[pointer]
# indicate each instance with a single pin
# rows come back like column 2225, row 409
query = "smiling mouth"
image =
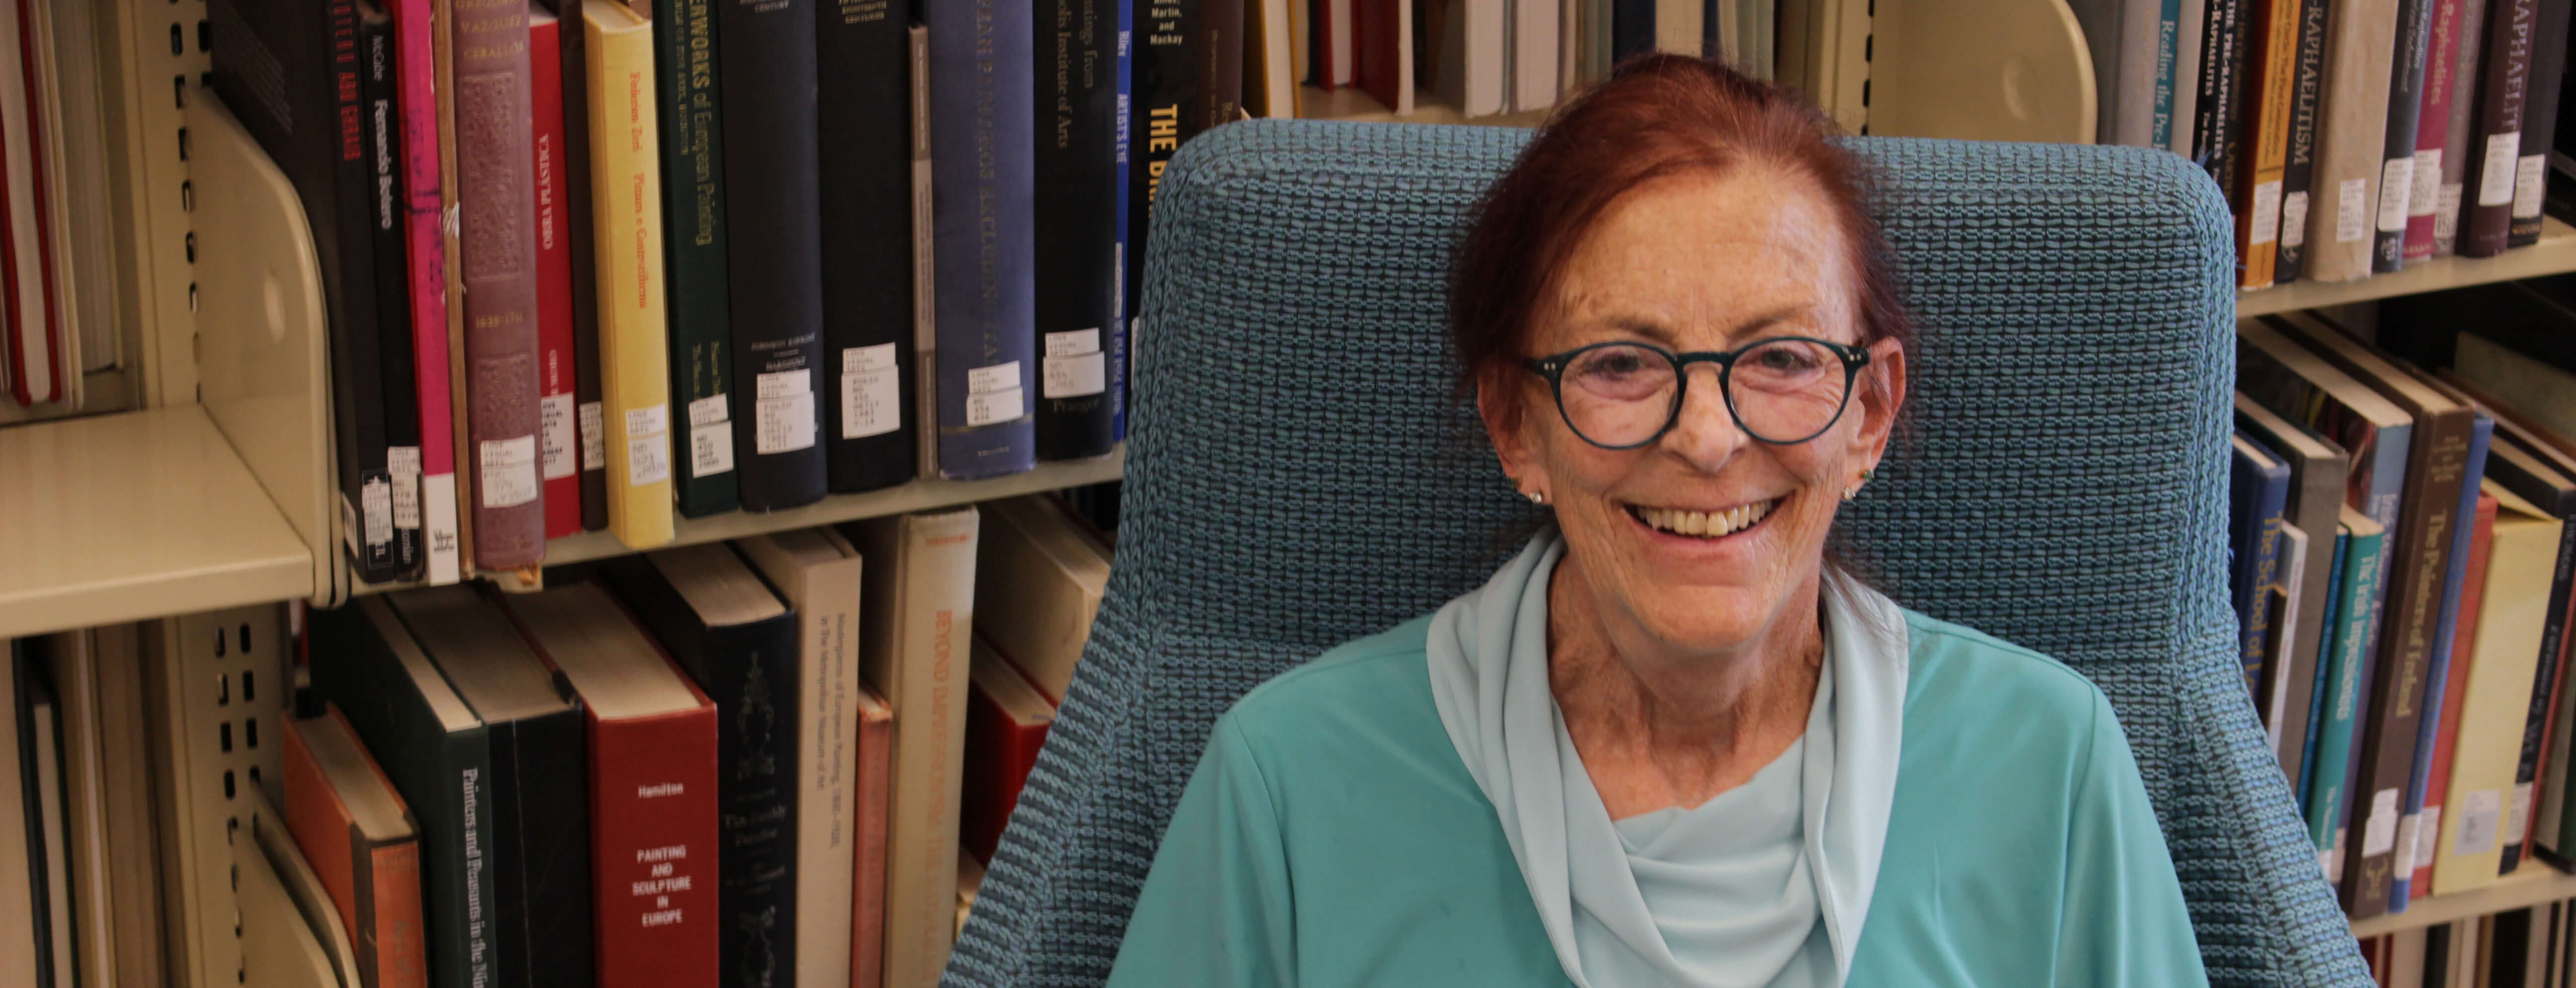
column 1703, row 524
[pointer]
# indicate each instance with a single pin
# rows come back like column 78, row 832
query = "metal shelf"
column 2554, row 254
column 1349, row 103
column 132, row 516
column 2532, row 884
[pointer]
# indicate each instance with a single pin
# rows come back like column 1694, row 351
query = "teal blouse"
column 1331, row 837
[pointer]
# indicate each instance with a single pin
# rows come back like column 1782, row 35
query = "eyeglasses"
column 1784, row 390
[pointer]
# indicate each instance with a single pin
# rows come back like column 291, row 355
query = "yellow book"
column 2477, row 811
column 626, row 204
column 2258, row 190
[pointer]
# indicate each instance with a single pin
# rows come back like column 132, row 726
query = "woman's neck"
column 1657, row 729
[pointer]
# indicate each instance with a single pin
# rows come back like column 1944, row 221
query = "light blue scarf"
column 1489, row 678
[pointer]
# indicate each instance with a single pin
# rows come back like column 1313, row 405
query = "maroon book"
column 558, row 436
column 496, row 201
column 1006, row 724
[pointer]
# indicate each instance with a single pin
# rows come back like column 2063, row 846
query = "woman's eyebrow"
column 1662, row 335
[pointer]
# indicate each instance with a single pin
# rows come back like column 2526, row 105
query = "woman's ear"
column 1505, row 419
column 1881, row 395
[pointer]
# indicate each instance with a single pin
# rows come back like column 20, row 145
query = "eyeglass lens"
column 1782, row 391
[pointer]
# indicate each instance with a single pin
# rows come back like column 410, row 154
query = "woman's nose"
column 1705, row 432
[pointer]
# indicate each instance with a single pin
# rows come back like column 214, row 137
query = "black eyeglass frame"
column 1553, row 369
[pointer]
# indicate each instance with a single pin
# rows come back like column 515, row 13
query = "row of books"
column 79, row 883
column 2352, row 136
column 58, row 300
column 746, row 758
column 602, row 266
column 2533, row 947
column 1483, row 56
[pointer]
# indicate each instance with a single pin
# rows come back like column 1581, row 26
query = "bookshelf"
column 2554, row 254
column 126, row 517
column 1349, row 103
column 2531, row 885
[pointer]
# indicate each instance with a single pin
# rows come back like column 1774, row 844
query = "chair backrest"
column 1302, row 473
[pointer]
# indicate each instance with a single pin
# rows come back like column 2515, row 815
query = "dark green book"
column 693, row 256
column 437, row 754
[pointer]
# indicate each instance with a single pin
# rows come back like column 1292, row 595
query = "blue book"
column 2168, row 36
column 2415, row 845
column 983, row 183
column 1123, row 316
column 2325, row 671
column 2350, row 660
column 2258, row 490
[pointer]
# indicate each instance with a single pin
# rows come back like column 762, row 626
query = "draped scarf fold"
column 1489, row 678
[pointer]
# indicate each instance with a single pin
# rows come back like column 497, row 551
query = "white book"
column 1679, row 26
column 2292, row 587
column 916, row 622
column 1337, row 35
column 18, row 946
column 1534, row 51
column 1278, row 78
column 818, row 572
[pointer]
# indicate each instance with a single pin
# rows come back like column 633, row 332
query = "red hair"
column 1658, row 115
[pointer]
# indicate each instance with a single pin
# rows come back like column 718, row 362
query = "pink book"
column 875, row 777
column 558, row 445
column 2423, row 200
column 416, row 102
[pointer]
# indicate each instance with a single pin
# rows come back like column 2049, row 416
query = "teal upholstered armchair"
column 1300, row 474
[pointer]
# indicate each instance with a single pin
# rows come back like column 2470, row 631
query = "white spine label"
column 594, row 444
column 403, row 463
column 2396, row 179
column 2428, row 183
column 1074, row 367
column 376, row 505
column 783, row 416
column 2479, row 813
column 2267, row 213
column 710, row 437
column 870, row 391
column 993, row 394
column 2517, row 814
column 558, row 427
column 2352, row 209
column 2428, row 837
column 2495, row 176
column 709, row 411
column 2294, row 219
column 2379, row 836
column 509, row 471
column 2406, row 843
column 1073, row 343
column 2530, row 179
column 2446, row 214
column 648, row 445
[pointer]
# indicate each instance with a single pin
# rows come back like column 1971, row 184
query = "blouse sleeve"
column 2124, row 924
column 1215, row 911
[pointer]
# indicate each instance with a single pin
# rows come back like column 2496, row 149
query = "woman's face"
column 1696, row 263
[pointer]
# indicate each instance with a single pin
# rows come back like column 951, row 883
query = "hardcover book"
column 2273, row 53
column 2470, row 42
column 1041, row 586
column 2257, row 491
column 382, row 131
column 652, row 737
column 2445, row 638
column 2348, row 661
column 363, row 845
column 1076, row 226
column 2539, row 122
column 2455, row 689
column 2405, row 109
column 558, row 432
column 1006, row 725
column 774, row 250
column 2432, row 131
column 2486, row 229
column 579, row 222
column 497, row 255
column 981, row 95
column 634, row 354
column 686, row 62
column 2222, row 71
column 2318, row 471
column 2360, row 40
column 2298, row 172
column 739, row 644
column 430, row 465
column 869, row 434
column 2508, row 641
column 873, row 797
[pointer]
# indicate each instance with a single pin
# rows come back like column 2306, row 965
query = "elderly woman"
column 1672, row 742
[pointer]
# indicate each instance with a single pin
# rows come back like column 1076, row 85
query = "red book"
column 359, row 836
column 34, row 329
column 558, row 441
column 416, row 107
column 872, row 791
column 2455, row 689
column 1006, row 724
column 652, row 786
column 2424, row 199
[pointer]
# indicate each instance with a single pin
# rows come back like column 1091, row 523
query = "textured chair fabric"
column 1301, row 474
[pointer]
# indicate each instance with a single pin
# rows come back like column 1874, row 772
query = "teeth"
column 1705, row 524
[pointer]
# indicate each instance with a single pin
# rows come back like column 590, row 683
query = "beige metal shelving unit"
column 2531, row 885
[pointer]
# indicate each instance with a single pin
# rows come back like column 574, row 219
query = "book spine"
column 541, row 848
column 654, row 848
column 925, row 595
column 579, row 224
column 634, row 354
column 2255, row 623
column 2432, row 129
column 753, row 679
column 925, row 264
column 2222, row 58
column 2161, row 119
column 433, row 461
column 1632, row 29
column 2462, row 127
column 2274, row 52
column 2488, row 195
column 456, row 839
column 2361, row 38
column 864, row 47
column 496, row 218
column 1122, row 318
column 874, row 791
column 2438, row 673
column 2539, row 123
column 774, row 250
column 399, row 379
column 2299, row 159
column 1076, row 227
column 366, row 506
column 2397, row 151
column 394, row 931
column 981, row 97
column 693, row 243
column 1221, row 39
column 2327, row 790
column 2544, row 693
column 558, row 433
column 2434, row 471
column 2455, row 691
column 2321, row 687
